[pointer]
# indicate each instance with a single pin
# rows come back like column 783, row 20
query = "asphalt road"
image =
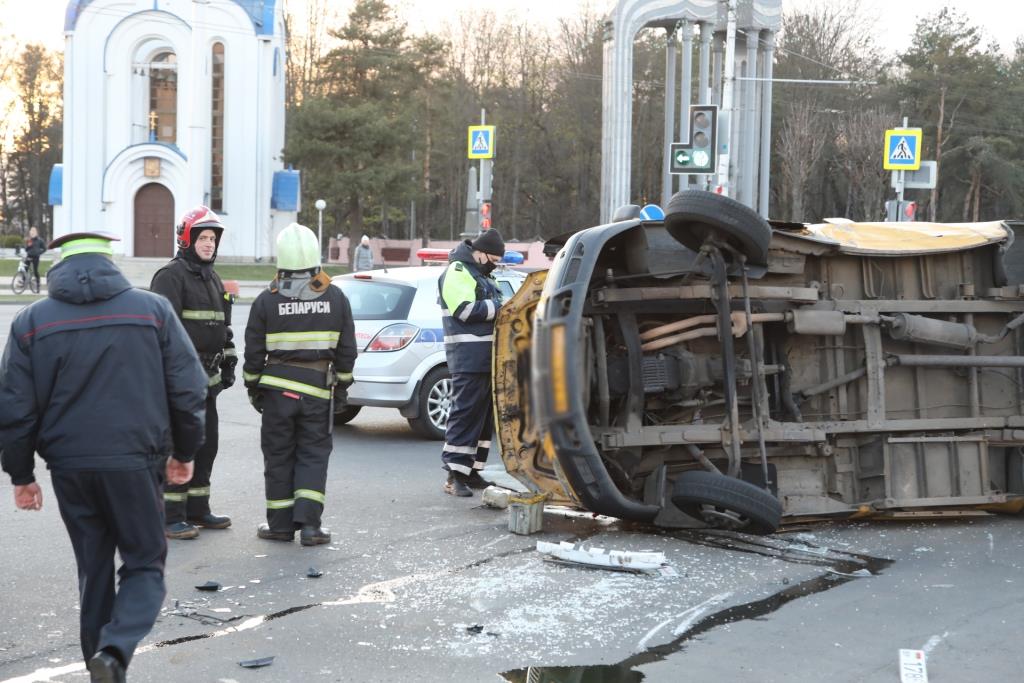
column 419, row 586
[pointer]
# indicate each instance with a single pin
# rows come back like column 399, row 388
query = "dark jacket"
column 199, row 300
column 35, row 247
column 98, row 376
column 289, row 342
column 469, row 302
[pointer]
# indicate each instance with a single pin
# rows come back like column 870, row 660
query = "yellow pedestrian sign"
column 481, row 142
column 902, row 149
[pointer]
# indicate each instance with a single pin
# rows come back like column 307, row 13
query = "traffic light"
column 700, row 154
column 485, row 215
column 900, row 211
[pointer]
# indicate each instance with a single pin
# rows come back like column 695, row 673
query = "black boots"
column 181, row 530
column 477, row 482
column 211, row 521
column 105, row 668
column 457, row 484
column 314, row 535
column 264, row 531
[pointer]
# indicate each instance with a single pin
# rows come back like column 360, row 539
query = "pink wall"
column 533, row 251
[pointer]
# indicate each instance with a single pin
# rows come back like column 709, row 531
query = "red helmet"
column 199, row 217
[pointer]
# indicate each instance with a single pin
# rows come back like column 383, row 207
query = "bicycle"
column 24, row 278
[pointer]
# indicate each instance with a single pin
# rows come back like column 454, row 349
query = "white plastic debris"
column 495, row 497
column 599, row 557
column 912, row 666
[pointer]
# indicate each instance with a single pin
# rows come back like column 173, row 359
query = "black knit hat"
column 490, row 242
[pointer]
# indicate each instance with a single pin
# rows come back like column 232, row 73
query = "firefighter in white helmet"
column 300, row 347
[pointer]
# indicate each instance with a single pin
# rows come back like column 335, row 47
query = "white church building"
column 169, row 104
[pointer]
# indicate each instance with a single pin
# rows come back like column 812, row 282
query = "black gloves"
column 227, row 371
column 256, row 399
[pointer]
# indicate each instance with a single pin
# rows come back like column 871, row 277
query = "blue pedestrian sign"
column 481, row 142
column 652, row 212
column 902, row 149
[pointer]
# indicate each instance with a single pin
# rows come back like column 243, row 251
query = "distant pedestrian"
column 364, row 255
column 34, row 248
column 300, row 346
column 195, row 291
column 470, row 300
column 101, row 380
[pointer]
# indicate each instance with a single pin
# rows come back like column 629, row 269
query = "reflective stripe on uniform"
column 280, row 504
column 465, row 450
column 478, row 465
column 312, row 495
column 281, row 383
column 299, row 341
column 483, row 444
column 467, row 310
column 250, row 376
column 459, row 468
column 86, row 246
column 491, row 309
column 214, row 380
column 459, row 338
column 189, row 314
column 199, row 492
column 230, row 352
column 175, row 497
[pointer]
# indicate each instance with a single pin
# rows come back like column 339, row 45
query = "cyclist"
column 34, row 248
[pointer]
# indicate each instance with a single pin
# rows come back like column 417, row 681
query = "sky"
column 1003, row 20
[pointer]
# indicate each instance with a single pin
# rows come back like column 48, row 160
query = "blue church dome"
column 261, row 12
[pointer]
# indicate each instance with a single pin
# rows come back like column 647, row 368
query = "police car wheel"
column 435, row 400
column 694, row 215
column 346, row 414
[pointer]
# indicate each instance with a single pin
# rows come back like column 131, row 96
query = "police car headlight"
column 393, row 337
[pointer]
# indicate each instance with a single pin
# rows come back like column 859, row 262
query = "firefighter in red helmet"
column 197, row 294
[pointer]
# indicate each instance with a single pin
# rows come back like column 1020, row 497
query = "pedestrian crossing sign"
column 902, row 149
column 481, row 142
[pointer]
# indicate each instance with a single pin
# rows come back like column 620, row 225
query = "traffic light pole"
column 728, row 85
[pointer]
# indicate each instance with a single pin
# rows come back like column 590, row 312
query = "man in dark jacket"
column 469, row 299
column 300, row 346
column 101, row 380
column 34, row 248
column 198, row 297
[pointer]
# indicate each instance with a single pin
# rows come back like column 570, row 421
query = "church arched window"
column 217, row 128
column 163, row 97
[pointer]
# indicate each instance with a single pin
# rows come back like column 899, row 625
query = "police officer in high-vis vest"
column 101, row 381
column 300, row 347
column 470, row 299
column 198, row 297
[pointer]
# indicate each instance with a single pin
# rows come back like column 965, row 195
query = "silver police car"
column 401, row 361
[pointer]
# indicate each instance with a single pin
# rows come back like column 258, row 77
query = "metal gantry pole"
column 704, row 94
column 750, row 141
column 670, row 114
column 686, row 92
column 728, row 106
column 763, row 196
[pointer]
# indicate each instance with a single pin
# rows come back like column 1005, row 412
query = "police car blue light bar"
column 512, row 258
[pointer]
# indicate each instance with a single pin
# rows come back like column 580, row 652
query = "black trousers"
column 297, row 437
column 192, row 500
column 467, row 438
column 35, row 266
column 104, row 512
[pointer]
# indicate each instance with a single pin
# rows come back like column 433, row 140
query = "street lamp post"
column 320, row 206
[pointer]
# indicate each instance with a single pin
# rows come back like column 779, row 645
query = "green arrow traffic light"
column 682, row 158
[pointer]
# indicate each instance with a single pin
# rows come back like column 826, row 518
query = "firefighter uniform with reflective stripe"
column 293, row 351
column 198, row 297
column 469, row 301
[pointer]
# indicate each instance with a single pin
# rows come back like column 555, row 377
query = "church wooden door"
column 154, row 221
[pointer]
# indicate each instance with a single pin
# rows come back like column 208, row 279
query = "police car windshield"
column 372, row 300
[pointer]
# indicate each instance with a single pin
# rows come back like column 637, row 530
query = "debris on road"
column 496, row 497
column 912, row 666
column 209, row 586
column 526, row 515
column 256, row 663
column 618, row 560
column 314, row 573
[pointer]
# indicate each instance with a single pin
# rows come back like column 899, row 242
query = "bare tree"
column 306, row 35
column 801, row 141
column 860, row 158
